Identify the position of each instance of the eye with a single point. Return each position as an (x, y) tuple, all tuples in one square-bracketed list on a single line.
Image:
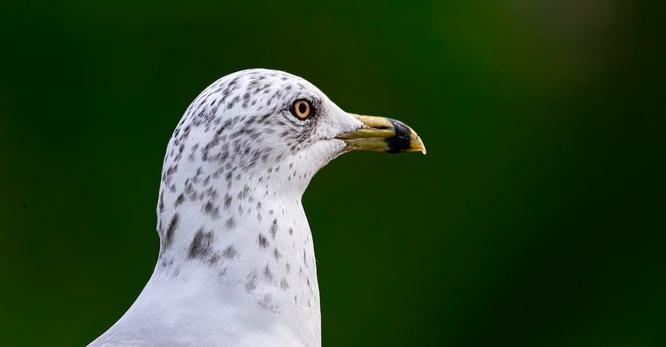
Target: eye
[(301, 109)]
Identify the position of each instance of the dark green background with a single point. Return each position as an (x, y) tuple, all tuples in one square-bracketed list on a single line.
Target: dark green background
[(536, 219)]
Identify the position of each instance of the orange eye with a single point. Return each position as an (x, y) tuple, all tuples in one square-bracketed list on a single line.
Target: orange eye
[(301, 109)]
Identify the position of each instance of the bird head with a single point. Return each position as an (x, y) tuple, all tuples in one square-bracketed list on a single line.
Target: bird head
[(275, 126)]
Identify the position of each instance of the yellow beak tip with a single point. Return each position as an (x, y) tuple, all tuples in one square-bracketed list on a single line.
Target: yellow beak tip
[(417, 143)]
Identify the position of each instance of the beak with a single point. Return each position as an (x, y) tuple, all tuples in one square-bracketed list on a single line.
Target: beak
[(382, 135)]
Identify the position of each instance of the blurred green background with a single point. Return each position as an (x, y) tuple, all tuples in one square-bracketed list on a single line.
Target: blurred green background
[(536, 219)]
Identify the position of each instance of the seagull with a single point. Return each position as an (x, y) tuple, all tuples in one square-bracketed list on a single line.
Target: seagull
[(236, 264)]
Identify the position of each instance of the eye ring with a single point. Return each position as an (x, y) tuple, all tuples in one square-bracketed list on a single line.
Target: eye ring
[(302, 109)]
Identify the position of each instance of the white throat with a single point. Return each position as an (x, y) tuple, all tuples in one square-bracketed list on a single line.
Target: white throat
[(242, 272)]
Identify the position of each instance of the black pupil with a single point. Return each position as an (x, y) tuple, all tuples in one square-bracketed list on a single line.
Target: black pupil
[(302, 107)]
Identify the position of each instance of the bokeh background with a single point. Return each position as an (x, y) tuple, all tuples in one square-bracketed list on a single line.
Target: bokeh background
[(536, 219)]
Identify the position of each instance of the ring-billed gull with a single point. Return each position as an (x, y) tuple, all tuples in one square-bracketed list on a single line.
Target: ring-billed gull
[(236, 265)]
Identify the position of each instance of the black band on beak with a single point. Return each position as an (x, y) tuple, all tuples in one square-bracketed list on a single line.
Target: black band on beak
[(400, 142)]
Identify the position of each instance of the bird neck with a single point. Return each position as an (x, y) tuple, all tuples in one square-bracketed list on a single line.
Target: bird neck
[(244, 243)]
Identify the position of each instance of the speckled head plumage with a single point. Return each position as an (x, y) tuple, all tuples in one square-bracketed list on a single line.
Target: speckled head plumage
[(245, 119), (236, 256)]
